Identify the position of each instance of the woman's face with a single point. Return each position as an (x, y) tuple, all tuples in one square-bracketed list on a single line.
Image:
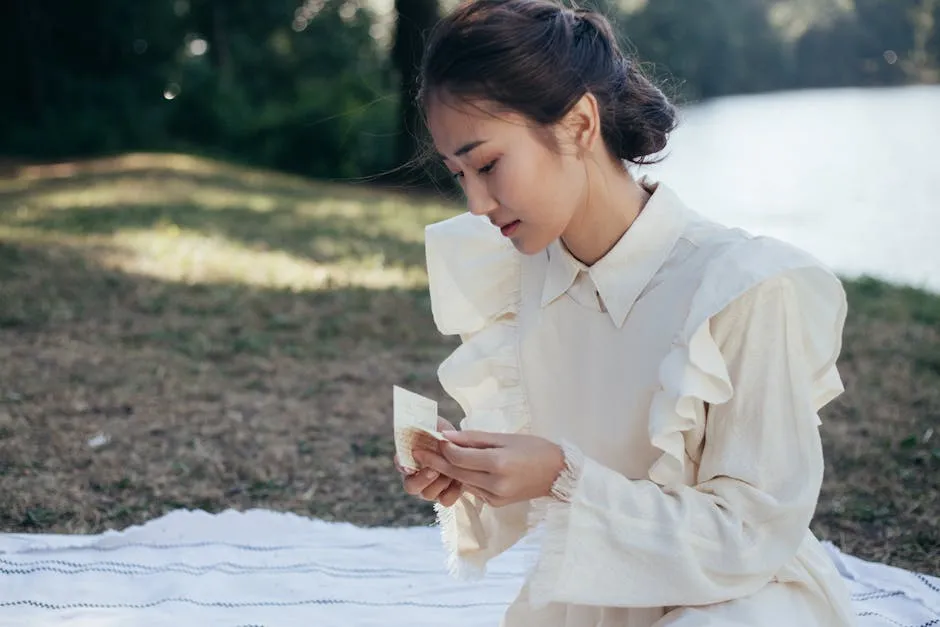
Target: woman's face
[(509, 171)]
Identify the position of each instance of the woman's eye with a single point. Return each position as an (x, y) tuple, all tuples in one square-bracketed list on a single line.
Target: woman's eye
[(488, 167), (484, 170)]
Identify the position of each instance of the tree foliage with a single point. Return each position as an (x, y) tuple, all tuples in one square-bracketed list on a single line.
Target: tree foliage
[(309, 86)]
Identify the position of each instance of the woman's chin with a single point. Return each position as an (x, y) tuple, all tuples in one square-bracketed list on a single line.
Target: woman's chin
[(526, 246)]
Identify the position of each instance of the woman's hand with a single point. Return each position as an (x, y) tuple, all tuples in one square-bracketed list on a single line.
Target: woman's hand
[(500, 468), (428, 483)]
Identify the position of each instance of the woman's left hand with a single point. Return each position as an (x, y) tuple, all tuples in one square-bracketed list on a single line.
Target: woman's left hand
[(500, 468)]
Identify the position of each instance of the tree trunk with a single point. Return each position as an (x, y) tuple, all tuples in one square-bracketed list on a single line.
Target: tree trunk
[(26, 59), (414, 19)]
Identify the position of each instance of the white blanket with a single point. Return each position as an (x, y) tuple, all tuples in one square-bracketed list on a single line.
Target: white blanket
[(265, 568)]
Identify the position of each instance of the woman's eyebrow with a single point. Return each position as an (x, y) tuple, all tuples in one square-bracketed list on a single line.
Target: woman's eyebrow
[(467, 148)]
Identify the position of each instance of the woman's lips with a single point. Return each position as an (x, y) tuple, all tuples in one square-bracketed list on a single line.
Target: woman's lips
[(510, 228)]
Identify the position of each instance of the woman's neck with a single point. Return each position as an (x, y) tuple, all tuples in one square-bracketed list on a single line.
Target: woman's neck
[(610, 207)]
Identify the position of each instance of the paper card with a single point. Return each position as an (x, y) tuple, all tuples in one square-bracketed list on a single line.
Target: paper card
[(415, 421)]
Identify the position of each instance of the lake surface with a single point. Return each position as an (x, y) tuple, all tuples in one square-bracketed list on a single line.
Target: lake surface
[(852, 176)]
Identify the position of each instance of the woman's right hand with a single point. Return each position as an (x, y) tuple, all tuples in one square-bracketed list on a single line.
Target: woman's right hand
[(429, 484)]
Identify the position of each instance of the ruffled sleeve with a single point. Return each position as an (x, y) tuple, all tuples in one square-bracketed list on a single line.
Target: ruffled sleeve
[(694, 373), (474, 277), (728, 503)]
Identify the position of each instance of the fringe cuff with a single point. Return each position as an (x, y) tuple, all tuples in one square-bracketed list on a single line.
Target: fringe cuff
[(460, 566), (567, 481)]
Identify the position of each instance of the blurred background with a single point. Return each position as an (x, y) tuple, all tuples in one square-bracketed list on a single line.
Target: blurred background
[(211, 259)]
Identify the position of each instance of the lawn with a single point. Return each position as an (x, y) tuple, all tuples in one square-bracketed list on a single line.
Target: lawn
[(177, 332)]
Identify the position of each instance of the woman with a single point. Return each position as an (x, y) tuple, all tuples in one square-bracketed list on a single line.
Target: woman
[(641, 385)]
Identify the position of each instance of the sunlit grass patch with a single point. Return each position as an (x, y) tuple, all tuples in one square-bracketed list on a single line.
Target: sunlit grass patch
[(162, 221)]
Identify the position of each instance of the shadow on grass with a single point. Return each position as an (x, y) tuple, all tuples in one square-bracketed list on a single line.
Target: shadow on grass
[(56, 286), (211, 396)]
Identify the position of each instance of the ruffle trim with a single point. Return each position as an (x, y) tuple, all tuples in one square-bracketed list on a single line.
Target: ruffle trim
[(475, 280), (474, 274), (475, 277), (694, 372), (566, 483)]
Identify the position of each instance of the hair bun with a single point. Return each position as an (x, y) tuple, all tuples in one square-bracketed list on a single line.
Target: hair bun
[(539, 59), (644, 117)]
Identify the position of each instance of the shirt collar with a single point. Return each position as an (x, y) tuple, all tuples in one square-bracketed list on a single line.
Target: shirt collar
[(623, 273)]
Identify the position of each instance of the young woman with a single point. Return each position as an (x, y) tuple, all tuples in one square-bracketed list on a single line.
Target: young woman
[(641, 385)]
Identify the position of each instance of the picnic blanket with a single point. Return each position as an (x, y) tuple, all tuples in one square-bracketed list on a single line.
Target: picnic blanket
[(263, 568)]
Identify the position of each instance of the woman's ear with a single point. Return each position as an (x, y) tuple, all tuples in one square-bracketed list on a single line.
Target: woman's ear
[(582, 125)]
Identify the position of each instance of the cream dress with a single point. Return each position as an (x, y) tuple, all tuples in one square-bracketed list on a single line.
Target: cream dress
[(682, 375)]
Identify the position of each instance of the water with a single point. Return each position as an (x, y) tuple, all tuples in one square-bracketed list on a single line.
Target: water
[(852, 176)]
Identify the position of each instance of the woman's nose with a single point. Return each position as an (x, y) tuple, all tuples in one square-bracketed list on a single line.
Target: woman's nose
[(479, 200)]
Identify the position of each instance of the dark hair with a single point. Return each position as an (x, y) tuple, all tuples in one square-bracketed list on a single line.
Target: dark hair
[(538, 58)]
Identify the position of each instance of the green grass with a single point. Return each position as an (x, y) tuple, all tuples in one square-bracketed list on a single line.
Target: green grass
[(900, 304), (235, 334)]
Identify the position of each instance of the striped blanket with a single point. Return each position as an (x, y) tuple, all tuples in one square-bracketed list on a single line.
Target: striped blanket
[(266, 568)]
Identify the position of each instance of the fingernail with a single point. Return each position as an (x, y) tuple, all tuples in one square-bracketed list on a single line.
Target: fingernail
[(431, 474), (409, 471)]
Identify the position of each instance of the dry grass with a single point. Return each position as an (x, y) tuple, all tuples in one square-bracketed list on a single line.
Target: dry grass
[(232, 337)]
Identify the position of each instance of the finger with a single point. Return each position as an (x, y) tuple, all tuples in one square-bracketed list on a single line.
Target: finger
[(401, 469), (485, 495), (449, 496), (436, 488), (477, 439), (463, 475), (481, 459), (417, 483), (444, 425)]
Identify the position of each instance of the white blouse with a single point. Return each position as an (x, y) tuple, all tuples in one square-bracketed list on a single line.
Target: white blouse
[(682, 375)]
